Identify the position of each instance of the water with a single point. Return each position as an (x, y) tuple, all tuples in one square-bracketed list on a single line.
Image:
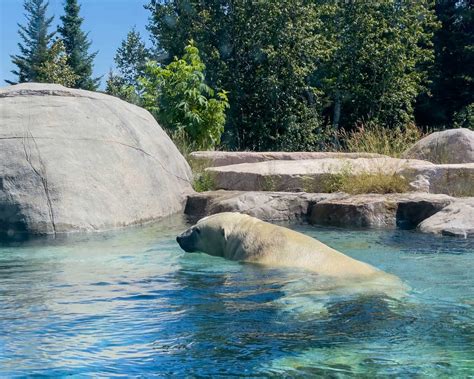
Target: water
[(130, 303)]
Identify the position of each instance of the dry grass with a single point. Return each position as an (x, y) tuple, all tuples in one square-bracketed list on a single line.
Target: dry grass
[(370, 138), (365, 182), (374, 183), (202, 180)]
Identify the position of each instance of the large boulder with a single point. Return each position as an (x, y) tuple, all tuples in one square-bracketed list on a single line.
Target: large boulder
[(73, 160), (310, 175), (449, 146), (457, 219), (226, 158)]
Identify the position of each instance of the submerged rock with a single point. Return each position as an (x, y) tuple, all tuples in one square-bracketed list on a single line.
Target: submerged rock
[(448, 146), (74, 160)]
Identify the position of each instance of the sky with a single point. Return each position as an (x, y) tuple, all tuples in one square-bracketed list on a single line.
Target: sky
[(107, 21)]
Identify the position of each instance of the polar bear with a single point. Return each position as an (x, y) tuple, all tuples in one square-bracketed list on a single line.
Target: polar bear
[(244, 238)]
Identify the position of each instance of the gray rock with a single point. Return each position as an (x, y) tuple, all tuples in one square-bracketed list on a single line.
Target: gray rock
[(378, 211), (449, 146), (268, 206), (457, 219), (309, 175), (450, 179), (226, 158), (73, 160)]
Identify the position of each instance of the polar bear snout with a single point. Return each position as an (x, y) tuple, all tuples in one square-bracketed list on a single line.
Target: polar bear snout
[(187, 240)]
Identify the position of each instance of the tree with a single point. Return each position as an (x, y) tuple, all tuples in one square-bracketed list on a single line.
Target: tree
[(451, 90), (34, 50), (180, 100), (118, 87), (77, 46), (263, 53), (378, 65), (130, 60), (56, 69)]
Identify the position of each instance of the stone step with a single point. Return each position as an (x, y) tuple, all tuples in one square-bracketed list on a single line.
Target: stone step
[(304, 175), (315, 175), (451, 179), (430, 213), (268, 206), (404, 211), (226, 158)]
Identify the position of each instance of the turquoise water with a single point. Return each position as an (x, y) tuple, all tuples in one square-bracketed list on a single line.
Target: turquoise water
[(130, 303)]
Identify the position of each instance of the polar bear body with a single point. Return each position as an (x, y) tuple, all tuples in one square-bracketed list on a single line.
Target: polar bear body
[(244, 238)]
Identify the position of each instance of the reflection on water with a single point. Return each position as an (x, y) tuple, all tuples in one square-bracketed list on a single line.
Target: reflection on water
[(131, 302)]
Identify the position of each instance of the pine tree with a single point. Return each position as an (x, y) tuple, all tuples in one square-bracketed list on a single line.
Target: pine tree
[(130, 60), (34, 50), (56, 69), (77, 46)]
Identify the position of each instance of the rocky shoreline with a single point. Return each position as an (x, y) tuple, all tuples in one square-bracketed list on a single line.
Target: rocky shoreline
[(427, 213), (73, 161), (283, 186)]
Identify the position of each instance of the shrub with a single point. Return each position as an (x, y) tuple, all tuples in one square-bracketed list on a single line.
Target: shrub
[(179, 98), (202, 180), (464, 118), (370, 138)]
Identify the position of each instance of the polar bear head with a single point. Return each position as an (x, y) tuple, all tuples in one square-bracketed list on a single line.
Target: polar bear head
[(211, 234)]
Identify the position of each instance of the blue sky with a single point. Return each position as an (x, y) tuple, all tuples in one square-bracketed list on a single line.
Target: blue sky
[(107, 21)]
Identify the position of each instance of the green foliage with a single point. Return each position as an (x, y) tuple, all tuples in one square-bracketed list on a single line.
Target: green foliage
[(118, 87), (77, 46), (453, 74), (56, 69), (36, 40), (465, 117), (378, 62), (130, 60), (180, 99), (263, 53), (292, 66), (371, 138), (202, 180)]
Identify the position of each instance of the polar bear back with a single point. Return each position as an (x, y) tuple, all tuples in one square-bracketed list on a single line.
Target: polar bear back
[(251, 240)]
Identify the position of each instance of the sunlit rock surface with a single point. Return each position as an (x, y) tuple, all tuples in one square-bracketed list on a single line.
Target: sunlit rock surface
[(74, 160), (268, 206), (450, 179), (225, 158), (457, 219), (448, 146), (310, 175), (405, 211)]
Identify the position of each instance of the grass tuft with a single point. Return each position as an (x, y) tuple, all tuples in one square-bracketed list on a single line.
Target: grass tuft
[(370, 138)]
